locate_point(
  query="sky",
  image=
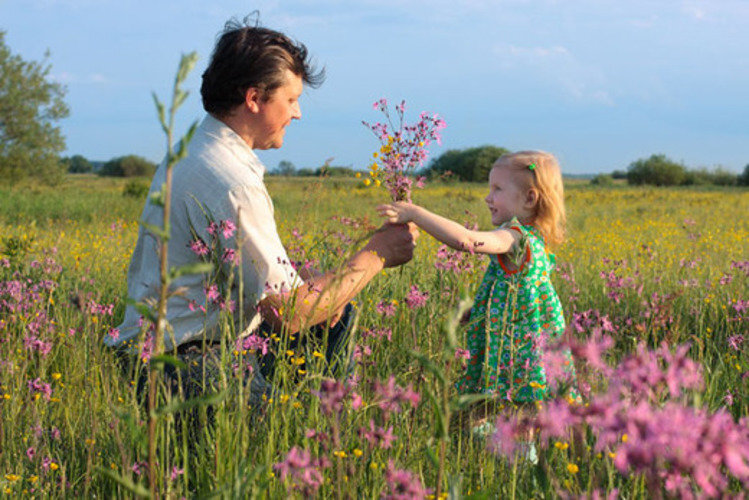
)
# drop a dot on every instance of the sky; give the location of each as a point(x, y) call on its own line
point(599, 83)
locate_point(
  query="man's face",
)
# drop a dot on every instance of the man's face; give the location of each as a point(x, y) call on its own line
point(277, 112)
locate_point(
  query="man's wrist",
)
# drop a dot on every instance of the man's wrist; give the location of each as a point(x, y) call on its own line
point(368, 259)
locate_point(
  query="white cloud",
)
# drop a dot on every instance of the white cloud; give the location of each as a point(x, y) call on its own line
point(66, 78)
point(694, 11)
point(558, 65)
point(644, 22)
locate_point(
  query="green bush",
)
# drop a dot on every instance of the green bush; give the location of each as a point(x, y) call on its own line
point(128, 166)
point(472, 164)
point(602, 180)
point(743, 179)
point(78, 164)
point(658, 170)
point(135, 189)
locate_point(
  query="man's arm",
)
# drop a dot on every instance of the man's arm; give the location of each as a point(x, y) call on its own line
point(322, 297)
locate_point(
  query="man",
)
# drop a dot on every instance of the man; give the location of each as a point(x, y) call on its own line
point(251, 92)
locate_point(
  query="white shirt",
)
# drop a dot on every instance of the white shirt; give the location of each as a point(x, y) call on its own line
point(222, 173)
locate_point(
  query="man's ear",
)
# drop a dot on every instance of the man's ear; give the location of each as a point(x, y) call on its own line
point(252, 99)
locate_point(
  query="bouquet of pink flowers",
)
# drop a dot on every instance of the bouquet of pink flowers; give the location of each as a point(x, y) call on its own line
point(403, 148)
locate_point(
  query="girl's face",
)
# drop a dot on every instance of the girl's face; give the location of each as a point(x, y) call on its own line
point(505, 199)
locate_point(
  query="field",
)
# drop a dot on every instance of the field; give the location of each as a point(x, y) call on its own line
point(651, 269)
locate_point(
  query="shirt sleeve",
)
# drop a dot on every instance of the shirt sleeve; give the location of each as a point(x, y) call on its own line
point(266, 267)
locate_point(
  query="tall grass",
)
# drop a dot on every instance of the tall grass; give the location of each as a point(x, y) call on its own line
point(682, 245)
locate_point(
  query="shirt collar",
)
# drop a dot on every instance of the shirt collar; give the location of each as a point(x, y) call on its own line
point(218, 129)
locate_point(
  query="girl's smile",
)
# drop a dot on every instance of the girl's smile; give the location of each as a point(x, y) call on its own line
point(505, 199)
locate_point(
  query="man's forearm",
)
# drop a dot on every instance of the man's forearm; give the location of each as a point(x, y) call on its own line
point(322, 296)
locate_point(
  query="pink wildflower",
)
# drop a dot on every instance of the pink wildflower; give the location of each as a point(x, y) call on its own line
point(176, 472)
point(303, 471)
point(114, 333)
point(392, 396)
point(402, 484)
point(379, 437)
point(228, 228)
point(386, 308)
point(415, 298)
point(230, 256)
point(199, 248)
point(211, 293)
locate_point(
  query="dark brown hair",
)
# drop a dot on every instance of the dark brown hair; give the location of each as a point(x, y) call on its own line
point(252, 56)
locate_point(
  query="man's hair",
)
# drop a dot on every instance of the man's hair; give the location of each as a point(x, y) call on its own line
point(252, 56)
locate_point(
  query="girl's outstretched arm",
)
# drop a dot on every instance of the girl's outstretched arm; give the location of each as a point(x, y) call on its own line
point(450, 232)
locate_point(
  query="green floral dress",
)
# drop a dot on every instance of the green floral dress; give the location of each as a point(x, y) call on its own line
point(520, 314)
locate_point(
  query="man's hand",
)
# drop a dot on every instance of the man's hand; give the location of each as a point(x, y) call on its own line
point(394, 243)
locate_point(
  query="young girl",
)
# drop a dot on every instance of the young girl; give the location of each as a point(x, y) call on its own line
point(517, 313)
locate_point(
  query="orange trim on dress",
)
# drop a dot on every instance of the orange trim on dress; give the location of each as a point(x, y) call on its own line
point(527, 259)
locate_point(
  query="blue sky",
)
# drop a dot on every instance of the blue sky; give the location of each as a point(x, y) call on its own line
point(600, 83)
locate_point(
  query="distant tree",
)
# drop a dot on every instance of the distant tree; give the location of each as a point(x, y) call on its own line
point(77, 164)
point(697, 177)
point(472, 164)
point(657, 170)
point(743, 179)
point(602, 180)
point(30, 143)
point(286, 168)
point(619, 174)
point(334, 171)
point(128, 166)
point(723, 177)
point(305, 172)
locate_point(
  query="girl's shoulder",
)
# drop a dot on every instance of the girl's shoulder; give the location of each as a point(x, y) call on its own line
point(526, 231)
point(531, 248)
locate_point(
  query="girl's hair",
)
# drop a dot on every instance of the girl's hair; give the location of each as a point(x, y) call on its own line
point(540, 171)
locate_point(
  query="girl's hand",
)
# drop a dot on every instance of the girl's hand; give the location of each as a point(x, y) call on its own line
point(398, 212)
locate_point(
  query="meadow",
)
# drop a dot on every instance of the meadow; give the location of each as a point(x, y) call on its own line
point(654, 286)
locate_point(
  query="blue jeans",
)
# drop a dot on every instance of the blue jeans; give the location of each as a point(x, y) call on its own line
point(201, 372)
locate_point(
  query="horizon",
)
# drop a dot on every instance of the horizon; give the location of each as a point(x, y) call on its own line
point(599, 84)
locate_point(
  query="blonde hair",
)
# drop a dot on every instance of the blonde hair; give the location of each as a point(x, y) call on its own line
point(545, 178)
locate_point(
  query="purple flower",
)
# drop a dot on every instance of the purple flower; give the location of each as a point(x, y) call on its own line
point(403, 147)
point(415, 298)
point(402, 484)
point(463, 354)
point(199, 248)
point(114, 333)
point(146, 349)
point(504, 440)
point(31, 453)
point(735, 341)
point(37, 386)
point(392, 396)
point(303, 471)
point(378, 437)
point(331, 394)
point(212, 294)
point(378, 333)
point(227, 228)
point(176, 472)
point(254, 343)
point(139, 467)
point(386, 308)
point(230, 256)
